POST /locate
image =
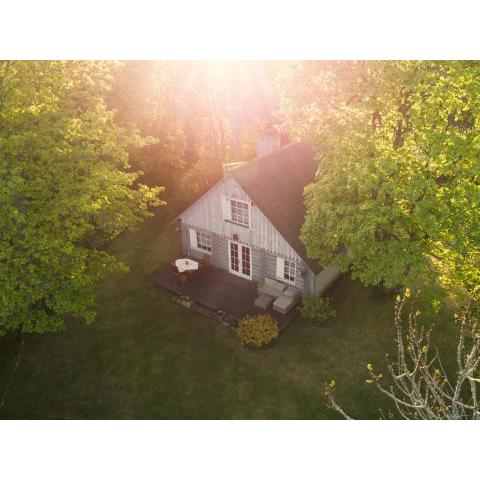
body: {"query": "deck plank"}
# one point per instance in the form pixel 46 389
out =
pixel 222 291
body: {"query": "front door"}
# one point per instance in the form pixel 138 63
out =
pixel 239 259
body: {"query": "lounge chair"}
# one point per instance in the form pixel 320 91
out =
pixel 288 300
pixel 283 297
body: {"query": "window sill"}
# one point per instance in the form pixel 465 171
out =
pixel 286 282
pixel 201 250
pixel 236 223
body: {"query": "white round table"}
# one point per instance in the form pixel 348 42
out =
pixel 186 264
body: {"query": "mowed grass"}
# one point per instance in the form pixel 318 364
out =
pixel 146 357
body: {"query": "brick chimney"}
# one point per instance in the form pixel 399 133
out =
pixel 268 141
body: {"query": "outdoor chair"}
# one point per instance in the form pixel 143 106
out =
pixel 287 301
pixel 191 275
pixel 283 297
pixel 204 266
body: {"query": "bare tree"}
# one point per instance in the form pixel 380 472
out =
pixel 420 388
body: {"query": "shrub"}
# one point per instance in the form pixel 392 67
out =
pixel 317 309
pixel 257 330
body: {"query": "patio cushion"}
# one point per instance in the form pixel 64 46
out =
pixel 284 304
pixel 291 292
pixel 274 284
pixel 263 301
pixel 271 292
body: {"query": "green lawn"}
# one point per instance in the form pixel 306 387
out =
pixel 147 357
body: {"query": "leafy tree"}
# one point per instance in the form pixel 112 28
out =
pixel 199 115
pixel 146 96
pixel 397 193
pixel 65 189
pixel 419 388
pixel 217 130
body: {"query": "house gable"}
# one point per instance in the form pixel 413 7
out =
pixel 207 214
pixel 276 183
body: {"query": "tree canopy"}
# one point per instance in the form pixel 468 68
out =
pixel 201 114
pixel 66 188
pixel 75 137
pixel 397 193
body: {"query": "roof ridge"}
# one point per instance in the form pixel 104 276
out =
pixel 285 147
pixel 256 160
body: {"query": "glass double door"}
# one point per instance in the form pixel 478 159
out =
pixel 239 259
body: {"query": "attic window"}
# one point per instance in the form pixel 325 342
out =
pixel 239 212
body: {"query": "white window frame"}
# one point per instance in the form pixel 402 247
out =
pixel 281 272
pixel 240 260
pixel 194 240
pixel 204 242
pixel 227 212
pixel 294 268
pixel 241 205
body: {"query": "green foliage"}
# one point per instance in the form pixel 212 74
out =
pixel 317 309
pixel 145 96
pixel 126 307
pixel 66 189
pixel 257 330
pixel 195 113
pixel 397 192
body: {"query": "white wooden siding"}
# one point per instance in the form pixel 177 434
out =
pixel 280 267
pixel 193 238
pixel 264 264
pixel 208 214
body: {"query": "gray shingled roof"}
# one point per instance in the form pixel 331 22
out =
pixel 275 184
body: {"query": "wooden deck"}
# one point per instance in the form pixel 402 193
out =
pixel 218 292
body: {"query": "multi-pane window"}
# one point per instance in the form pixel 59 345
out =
pixel 289 271
pixel 239 212
pixel 240 260
pixel 234 257
pixel 246 260
pixel 204 241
